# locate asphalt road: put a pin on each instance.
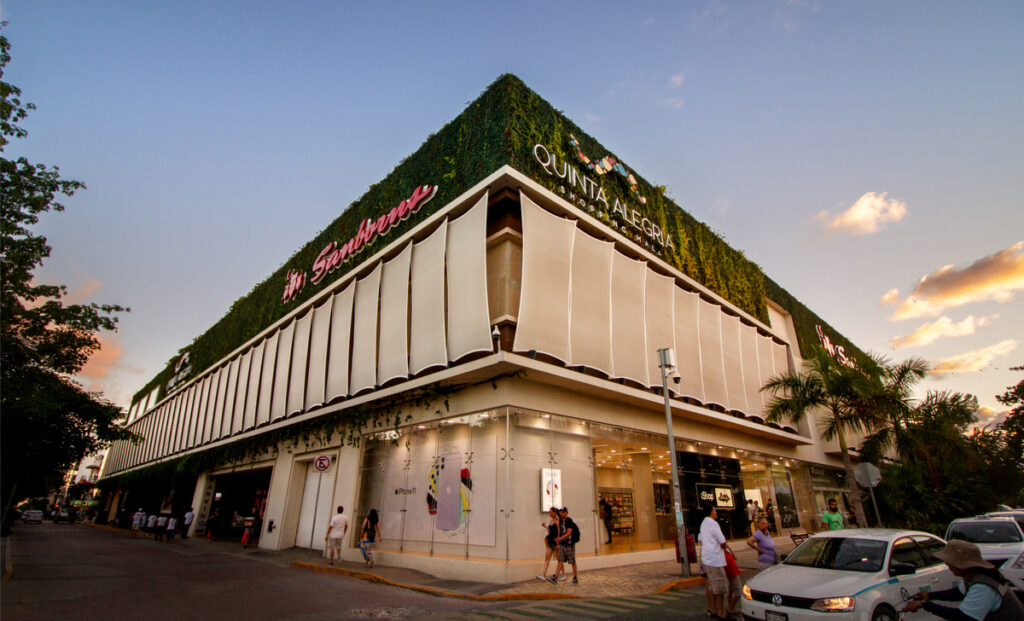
(66, 571)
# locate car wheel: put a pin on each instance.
(884, 613)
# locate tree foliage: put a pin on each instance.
(49, 422)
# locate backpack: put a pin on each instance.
(575, 536)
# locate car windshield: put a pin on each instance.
(842, 553)
(985, 532)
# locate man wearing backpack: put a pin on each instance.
(567, 539)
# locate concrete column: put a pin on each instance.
(281, 486)
(643, 498)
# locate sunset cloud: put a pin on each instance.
(989, 417)
(995, 277)
(83, 293)
(942, 327)
(676, 81)
(892, 296)
(869, 214)
(106, 359)
(973, 361)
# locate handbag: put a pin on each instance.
(732, 570)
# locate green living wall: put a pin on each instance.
(500, 127)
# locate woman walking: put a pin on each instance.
(549, 540)
(767, 554)
(369, 535)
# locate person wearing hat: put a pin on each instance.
(984, 592)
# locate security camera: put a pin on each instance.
(677, 379)
(495, 335)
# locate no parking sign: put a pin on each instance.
(322, 463)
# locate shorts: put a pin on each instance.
(550, 543)
(334, 544)
(567, 553)
(735, 586)
(717, 580)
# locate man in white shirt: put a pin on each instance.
(335, 533)
(137, 519)
(713, 547)
(187, 522)
(150, 524)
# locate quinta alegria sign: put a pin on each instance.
(334, 255)
(590, 195)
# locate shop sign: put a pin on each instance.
(334, 255)
(718, 495)
(550, 489)
(836, 351)
(590, 195)
(182, 371)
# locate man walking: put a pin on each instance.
(713, 547)
(335, 533)
(832, 519)
(187, 522)
(137, 519)
(569, 535)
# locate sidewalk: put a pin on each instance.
(624, 581)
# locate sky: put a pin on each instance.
(869, 156)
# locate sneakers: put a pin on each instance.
(553, 579)
(542, 577)
(575, 582)
(564, 577)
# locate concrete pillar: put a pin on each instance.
(643, 498)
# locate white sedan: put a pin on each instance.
(863, 574)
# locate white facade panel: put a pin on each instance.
(733, 363)
(427, 343)
(590, 315)
(300, 356)
(629, 341)
(364, 332)
(341, 341)
(271, 354)
(282, 372)
(469, 327)
(393, 357)
(712, 361)
(659, 313)
(688, 363)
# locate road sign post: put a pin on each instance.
(868, 475)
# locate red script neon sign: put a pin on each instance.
(334, 255)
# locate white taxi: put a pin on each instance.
(862, 574)
(999, 538)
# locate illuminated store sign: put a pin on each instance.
(836, 351)
(590, 194)
(182, 371)
(334, 255)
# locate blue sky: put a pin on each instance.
(850, 149)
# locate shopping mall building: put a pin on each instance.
(476, 339)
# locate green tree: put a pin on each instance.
(839, 393)
(49, 422)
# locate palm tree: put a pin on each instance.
(843, 393)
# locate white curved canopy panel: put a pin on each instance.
(733, 363)
(711, 356)
(544, 302)
(282, 371)
(469, 329)
(427, 343)
(364, 332)
(319, 341)
(393, 358)
(590, 315)
(688, 362)
(271, 354)
(341, 343)
(300, 356)
(751, 372)
(629, 343)
(660, 321)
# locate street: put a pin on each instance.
(66, 571)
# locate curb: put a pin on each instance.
(682, 583)
(362, 575)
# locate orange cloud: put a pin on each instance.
(891, 296)
(869, 214)
(989, 417)
(942, 327)
(972, 361)
(82, 293)
(995, 277)
(104, 360)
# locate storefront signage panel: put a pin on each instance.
(550, 489)
(334, 255)
(717, 495)
(836, 351)
(590, 195)
(446, 492)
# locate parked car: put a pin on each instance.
(1001, 541)
(864, 574)
(64, 515)
(1017, 514)
(32, 515)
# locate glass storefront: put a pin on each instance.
(478, 486)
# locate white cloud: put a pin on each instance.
(891, 297)
(672, 103)
(676, 80)
(591, 117)
(972, 361)
(942, 327)
(995, 277)
(869, 214)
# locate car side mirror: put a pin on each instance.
(902, 569)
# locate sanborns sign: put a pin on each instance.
(836, 351)
(334, 255)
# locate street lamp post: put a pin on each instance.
(667, 364)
